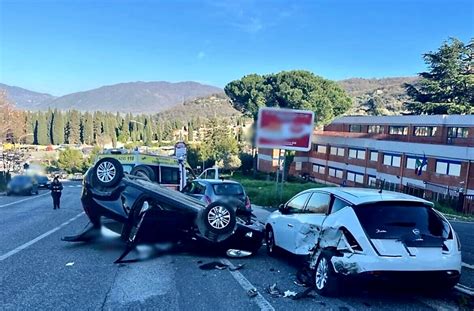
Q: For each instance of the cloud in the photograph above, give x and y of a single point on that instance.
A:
(201, 55)
(251, 25)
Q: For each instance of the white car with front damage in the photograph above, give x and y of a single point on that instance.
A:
(367, 233)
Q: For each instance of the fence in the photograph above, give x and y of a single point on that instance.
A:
(446, 196)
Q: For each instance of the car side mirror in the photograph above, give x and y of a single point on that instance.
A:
(282, 209)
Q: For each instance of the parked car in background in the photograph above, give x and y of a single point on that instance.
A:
(77, 177)
(23, 185)
(212, 190)
(352, 232)
(42, 180)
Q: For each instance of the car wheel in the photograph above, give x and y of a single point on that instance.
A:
(219, 218)
(326, 280)
(144, 171)
(270, 241)
(8, 193)
(108, 172)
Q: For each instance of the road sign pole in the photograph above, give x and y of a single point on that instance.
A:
(278, 173)
(283, 174)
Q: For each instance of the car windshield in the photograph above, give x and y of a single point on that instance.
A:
(228, 189)
(393, 220)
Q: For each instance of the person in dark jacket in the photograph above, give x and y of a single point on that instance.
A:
(56, 189)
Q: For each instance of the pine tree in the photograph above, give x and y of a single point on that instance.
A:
(448, 86)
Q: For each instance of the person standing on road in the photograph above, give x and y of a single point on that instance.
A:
(56, 189)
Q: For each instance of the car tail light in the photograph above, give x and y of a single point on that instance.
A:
(248, 206)
(352, 241)
(207, 199)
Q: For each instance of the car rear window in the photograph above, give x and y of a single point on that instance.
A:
(393, 220)
(228, 189)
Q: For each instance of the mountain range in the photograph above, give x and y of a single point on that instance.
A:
(370, 96)
(134, 97)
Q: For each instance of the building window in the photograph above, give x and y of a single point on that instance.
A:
(356, 128)
(320, 169)
(335, 172)
(357, 154)
(298, 166)
(425, 131)
(321, 149)
(355, 177)
(448, 168)
(398, 130)
(458, 132)
(411, 163)
(391, 160)
(374, 156)
(337, 151)
(375, 129)
(372, 180)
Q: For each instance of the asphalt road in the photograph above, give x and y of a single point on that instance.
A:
(40, 272)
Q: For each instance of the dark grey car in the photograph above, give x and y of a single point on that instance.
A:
(212, 190)
(22, 184)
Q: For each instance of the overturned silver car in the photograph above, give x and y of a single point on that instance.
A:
(366, 233)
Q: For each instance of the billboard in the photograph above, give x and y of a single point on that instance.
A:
(287, 129)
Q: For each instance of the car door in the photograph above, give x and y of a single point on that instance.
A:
(285, 224)
(309, 222)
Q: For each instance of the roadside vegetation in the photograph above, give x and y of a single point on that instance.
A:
(264, 192)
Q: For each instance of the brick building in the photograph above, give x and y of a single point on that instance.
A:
(365, 150)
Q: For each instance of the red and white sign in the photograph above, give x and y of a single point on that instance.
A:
(287, 129)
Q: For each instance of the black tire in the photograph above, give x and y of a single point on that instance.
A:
(219, 218)
(270, 242)
(8, 193)
(107, 172)
(144, 171)
(331, 286)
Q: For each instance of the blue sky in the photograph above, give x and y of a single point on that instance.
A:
(67, 46)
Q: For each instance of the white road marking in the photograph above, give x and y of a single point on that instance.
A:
(261, 302)
(28, 244)
(438, 305)
(27, 199)
(466, 265)
(464, 289)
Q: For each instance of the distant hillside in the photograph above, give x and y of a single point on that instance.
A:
(186, 99)
(25, 99)
(216, 105)
(377, 96)
(134, 97)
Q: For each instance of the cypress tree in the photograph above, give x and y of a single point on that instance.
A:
(58, 128)
(42, 130)
(73, 129)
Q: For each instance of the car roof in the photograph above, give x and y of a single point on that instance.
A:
(358, 196)
(217, 181)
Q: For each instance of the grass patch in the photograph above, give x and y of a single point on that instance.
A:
(262, 192)
(446, 209)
